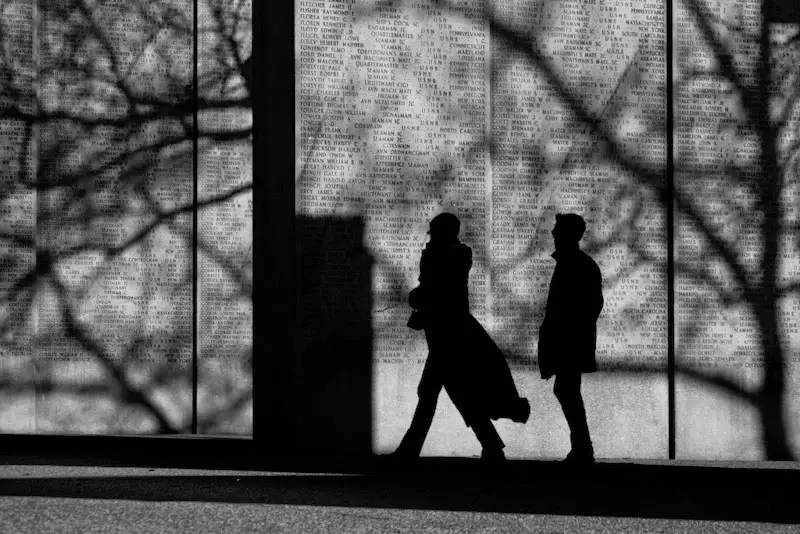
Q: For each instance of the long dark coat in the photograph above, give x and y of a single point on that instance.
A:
(568, 334)
(462, 356)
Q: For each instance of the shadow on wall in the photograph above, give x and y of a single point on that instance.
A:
(783, 11)
(334, 347)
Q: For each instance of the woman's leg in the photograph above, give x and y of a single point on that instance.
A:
(412, 442)
(428, 392)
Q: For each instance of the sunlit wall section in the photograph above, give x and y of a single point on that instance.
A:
(17, 215)
(405, 110)
(578, 125)
(224, 238)
(736, 208)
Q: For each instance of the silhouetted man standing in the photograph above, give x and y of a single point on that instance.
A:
(568, 335)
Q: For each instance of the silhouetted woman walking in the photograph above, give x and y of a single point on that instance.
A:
(462, 358)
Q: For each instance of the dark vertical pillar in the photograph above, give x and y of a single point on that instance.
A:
(274, 287)
(670, 206)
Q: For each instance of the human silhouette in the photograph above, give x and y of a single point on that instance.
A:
(462, 357)
(568, 334)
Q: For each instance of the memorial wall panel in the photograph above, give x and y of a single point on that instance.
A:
(122, 303)
(224, 239)
(405, 110)
(17, 215)
(114, 308)
(736, 231)
(105, 266)
(611, 60)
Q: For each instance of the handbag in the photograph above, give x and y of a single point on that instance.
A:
(416, 299)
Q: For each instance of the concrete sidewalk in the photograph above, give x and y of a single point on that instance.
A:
(432, 495)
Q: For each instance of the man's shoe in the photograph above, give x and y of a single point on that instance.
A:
(523, 411)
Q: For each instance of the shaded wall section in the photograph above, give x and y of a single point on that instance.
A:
(334, 359)
(125, 186)
(737, 129)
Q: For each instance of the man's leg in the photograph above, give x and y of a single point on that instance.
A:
(567, 389)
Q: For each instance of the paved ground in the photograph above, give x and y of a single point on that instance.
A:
(432, 497)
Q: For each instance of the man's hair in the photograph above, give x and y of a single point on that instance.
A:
(446, 224)
(573, 225)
